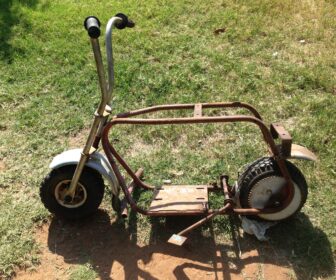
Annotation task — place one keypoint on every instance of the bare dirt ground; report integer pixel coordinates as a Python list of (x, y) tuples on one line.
[(114, 254), (2, 165)]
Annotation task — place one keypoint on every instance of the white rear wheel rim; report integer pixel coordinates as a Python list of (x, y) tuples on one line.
[(263, 190)]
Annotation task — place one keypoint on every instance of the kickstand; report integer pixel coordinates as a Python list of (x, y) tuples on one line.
[(179, 238), (235, 233)]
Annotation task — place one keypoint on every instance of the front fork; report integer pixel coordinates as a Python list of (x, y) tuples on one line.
[(90, 147), (99, 121)]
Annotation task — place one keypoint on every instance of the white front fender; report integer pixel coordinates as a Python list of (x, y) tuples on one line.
[(96, 161)]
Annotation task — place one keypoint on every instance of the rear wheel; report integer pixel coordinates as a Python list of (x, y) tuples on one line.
[(88, 196), (262, 186)]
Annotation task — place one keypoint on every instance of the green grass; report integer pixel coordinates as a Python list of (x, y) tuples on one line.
[(48, 92), (84, 272)]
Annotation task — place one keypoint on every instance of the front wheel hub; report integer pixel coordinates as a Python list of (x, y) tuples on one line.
[(66, 200)]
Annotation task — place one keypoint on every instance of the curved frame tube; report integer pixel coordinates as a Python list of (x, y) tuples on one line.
[(191, 106), (111, 153)]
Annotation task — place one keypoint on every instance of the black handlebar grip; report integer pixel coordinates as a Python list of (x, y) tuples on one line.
[(92, 25), (125, 22), (130, 23)]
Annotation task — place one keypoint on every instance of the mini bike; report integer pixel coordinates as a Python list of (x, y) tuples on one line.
[(270, 188)]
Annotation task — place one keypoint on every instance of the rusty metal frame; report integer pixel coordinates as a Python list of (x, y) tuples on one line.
[(169, 107), (278, 131), (126, 118)]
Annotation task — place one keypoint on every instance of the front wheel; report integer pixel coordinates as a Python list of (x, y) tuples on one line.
[(262, 186), (88, 196)]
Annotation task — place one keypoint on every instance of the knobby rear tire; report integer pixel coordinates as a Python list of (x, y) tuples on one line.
[(265, 169)]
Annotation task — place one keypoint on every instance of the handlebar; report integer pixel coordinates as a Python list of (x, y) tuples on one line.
[(92, 25), (125, 21), (120, 21)]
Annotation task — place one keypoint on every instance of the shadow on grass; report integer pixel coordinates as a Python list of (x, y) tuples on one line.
[(107, 245), (306, 247), (11, 15)]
